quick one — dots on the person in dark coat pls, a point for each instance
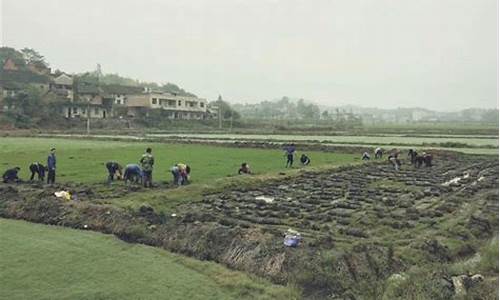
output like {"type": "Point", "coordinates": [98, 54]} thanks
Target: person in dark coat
{"type": "Point", "coordinates": [244, 169]}
{"type": "Point", "coordinates": [39, 169]}
{"type": "Point", "coordinates": [366, 156]}
{"type": "Point", "coordinates": [51, 166]}
{"type": "Point", "coordinates": [428, 160]}
{"type": "Point", "coordinates": [11, 175]}
{"type": "Point", "coordinates": [412, 154]}
{"type": "Point", "coordinates": [114, 168]}
{"type": "Point", "coordinates": [394, 160]}
{"type": "Point", "coordinates": [419, 161]}
{"type": "Point", "coordinates": [305, 160]}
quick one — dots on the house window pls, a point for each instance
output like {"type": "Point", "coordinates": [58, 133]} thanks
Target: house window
{"type": "Point", "coordinates": [75, 110]}
{"type": "Point", "coordinates": [202, 104]}
{"type": "Point", "coordinates": [154, 101]}
{"type": "Point", "coordinates": [179, 103]}
{"type": "Point", "coordinates": [191, 104]}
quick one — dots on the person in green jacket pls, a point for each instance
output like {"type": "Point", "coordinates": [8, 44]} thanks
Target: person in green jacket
{"type": "Point", "coordinates": [147, 161]}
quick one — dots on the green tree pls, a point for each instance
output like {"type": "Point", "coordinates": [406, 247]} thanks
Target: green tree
{"type": "Point", "coordinates": [490, 116]}
{"type": "Point", "coordinates": [16, 56]}
{"type": "Point", "coordinates": [117, 79]}
{"type": "Point", "coordinates": [27, 102]}
{"type": "Point", "coordinates": [226, 109]}
{"type": "Point", "coordinates": [325, 115]}
{"type": "Point", "coordinates": [308, 111]}
{"type": "Point", "coordinates": [31, 56]}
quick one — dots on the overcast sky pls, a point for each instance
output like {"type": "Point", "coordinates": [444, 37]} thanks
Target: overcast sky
{"type": "Point", "coordinates": [387, 53]}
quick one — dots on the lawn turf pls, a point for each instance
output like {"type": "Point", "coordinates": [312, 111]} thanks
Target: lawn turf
{"type": "Point", "coordinates": [50, 262]}
{"type": "Point", "coordinates": [83, 160]}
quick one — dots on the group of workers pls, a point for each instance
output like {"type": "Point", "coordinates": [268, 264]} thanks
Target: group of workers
{"type": "Point", "coordinates": [290, 154]}
{"type": "Point", "coordinates": [134, 173]}
{"type": "Point", "coordinates": [143, 172]}
{"type": "Point", "coordinates": [140, 173]}
{"type": "Point", "coordinates": [36, 168]}
{"type": "Point", "coordinates": [415, 159]}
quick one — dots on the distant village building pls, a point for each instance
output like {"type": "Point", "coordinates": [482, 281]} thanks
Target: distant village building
{"type": "Point", "coordinates": [176, 107]}
{"type": "Point", "coordinates": [12, 82]}
{"type": "Point", "coordinates": [119, 93]}
{"type": "Point", "coordinates": [62, 86]}
{"type": "Point", "coordinates": [89, 100]}
{"type": "Point", "coordinates": [94, 109]}
{"type": "Point", "coordinates": [83, 96]}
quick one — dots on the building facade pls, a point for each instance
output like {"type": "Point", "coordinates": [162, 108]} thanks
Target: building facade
{"type": "Point", "coordinates": [176, 107]}
{"type": "Point", "coordinates": [62, 86]}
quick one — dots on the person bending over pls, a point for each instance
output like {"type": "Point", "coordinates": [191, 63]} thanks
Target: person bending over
{"type": "Point", "coordinates": [427, 160]}
{"type": "Point", "coordinates": [412, 154]}
{"type": "Point", "coordinates": [184, 171]}
{"type": "Point", "coordinates": [393, 158]}
{"type": "Point", "coordinates": [244, 169]}
{"type": "Point", "coordinates": [39, 169]}
{"type": "Point", "coordinates": [366, 156]}
{"type": "Point", "coordinates": [132, 173]}
{"type": "Point", "coordinates": [181, 172]}
{"type": "Point", "coordinates": [11, 175]}
{"type": "Point", "coordinates": [114, 169]}
{"type": "Point", "coordinates": [305, 160]}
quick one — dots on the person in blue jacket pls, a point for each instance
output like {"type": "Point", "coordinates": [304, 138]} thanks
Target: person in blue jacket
{"type": "Point", "coordinates": [132, 173]}
{"type": "Point", "coordinates": [289, 153]}
{"type": "Point", "coordinates": [51, 166]}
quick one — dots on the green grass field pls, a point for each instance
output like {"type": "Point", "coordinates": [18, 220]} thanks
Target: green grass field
{"type": "Point", "coordinates": [49, 262]}
{"type": "Point", "coordinates": [83, 161]}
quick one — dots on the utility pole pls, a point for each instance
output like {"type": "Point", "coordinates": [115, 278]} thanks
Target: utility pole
{"type": "Point", "coordinates": [231, 121]}
{"type": "Point", "coordinates": [220, 116]}
{"type": "Point", "coordinates": [88, 118]}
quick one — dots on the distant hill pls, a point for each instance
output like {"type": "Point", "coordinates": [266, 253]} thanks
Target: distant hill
{"type": "Point", "coordinates": [118, 80]}
{"type": "Point", "coordinates": [25, 59]}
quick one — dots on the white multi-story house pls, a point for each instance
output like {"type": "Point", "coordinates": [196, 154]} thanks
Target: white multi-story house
{"type": "Point", "coordinates": [175, 106]}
